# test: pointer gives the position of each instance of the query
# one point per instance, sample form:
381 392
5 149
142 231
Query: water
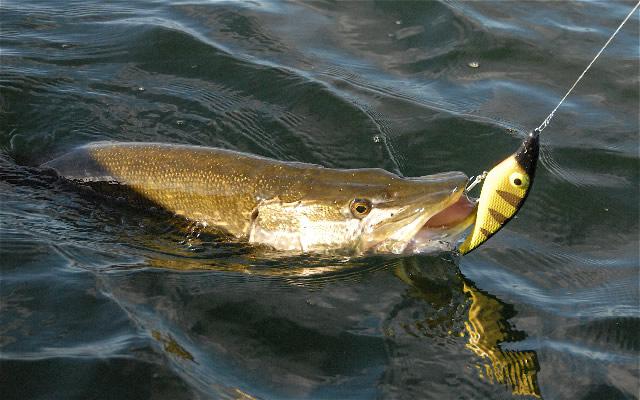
100 300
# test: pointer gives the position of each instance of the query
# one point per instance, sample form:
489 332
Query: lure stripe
498 216
509 198
504 191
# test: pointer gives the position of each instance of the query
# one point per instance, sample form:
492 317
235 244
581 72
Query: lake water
101 300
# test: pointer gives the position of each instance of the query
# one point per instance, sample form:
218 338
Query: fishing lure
508 184
504 191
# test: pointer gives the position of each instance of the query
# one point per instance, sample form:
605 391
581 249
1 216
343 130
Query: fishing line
546 121
479 178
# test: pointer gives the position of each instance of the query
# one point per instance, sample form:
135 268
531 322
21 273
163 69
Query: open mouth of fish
443 229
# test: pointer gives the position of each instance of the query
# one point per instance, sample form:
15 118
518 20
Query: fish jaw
443 230
427 223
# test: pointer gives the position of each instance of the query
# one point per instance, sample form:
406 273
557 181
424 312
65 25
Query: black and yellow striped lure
504 191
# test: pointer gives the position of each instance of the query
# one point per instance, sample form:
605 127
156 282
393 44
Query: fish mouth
452 215
434 228
442 230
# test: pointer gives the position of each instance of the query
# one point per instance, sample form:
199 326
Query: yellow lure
504 191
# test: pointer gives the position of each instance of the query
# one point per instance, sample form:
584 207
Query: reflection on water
486 327
171 346
247 325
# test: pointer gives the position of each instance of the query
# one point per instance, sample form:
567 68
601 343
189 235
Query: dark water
100 300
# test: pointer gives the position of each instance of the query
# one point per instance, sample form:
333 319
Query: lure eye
519 180
360 207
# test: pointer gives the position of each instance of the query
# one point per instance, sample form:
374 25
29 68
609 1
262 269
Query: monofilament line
548 119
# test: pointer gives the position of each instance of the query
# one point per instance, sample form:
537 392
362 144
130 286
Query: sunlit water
102 300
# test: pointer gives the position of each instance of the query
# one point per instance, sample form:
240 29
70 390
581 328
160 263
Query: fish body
503 193
290 206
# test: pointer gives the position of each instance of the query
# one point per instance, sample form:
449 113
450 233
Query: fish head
361 211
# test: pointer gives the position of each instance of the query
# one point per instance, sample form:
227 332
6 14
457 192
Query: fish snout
440 191
422 198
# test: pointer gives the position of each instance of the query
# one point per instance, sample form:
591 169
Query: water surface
103 300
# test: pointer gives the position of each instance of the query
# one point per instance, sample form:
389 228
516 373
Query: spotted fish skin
289 206
503 193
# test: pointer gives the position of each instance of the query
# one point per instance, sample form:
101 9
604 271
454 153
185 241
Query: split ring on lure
504 191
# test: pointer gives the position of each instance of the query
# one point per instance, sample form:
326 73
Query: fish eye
519 180
360 207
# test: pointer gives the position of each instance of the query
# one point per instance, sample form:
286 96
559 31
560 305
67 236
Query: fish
288 206
503 192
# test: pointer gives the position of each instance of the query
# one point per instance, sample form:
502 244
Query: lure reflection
486 326
486 329
503 193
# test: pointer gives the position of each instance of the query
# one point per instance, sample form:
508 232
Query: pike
289 206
